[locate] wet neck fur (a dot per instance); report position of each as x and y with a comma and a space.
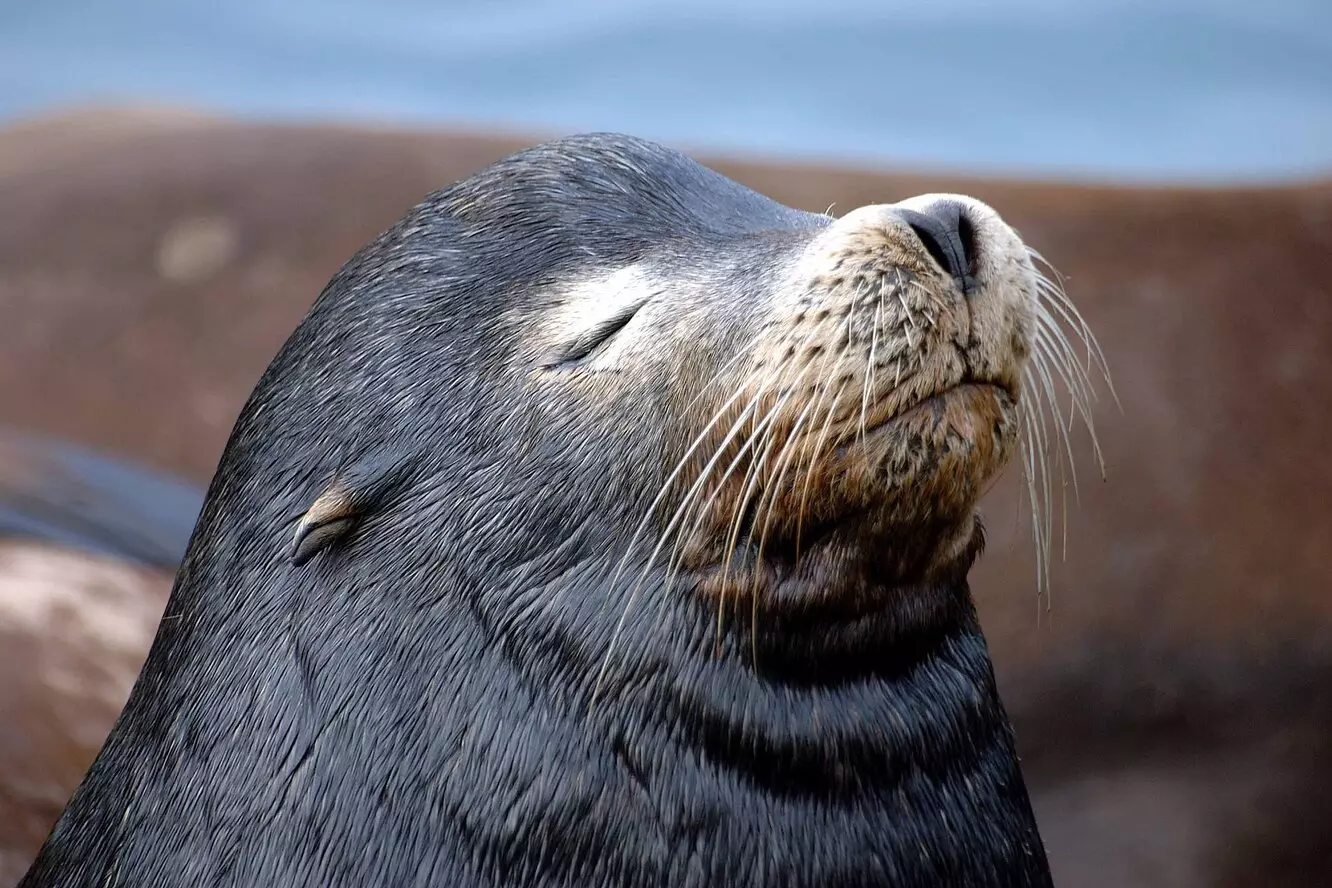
858, 752
808, 748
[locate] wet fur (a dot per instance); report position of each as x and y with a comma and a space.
414, 705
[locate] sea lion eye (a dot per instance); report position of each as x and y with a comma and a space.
592, 338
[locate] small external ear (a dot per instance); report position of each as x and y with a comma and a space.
328, 520
360, 489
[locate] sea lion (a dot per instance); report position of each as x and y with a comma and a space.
604, 523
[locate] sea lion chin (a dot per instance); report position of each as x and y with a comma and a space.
605, 523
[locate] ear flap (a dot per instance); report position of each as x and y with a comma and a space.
328, 520
359, 490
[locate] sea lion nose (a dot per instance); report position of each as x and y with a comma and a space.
948, 236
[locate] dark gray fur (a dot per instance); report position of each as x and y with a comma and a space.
411, 706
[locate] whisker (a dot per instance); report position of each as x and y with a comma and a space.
868, 377
765, 507
1048, 352
831, 411
1080, 385
749, 482
1056, 321
1037, 424
657, 500
677, 555
749, 485
909, 326
1041, 361
740, 355
633, 595
1057, 296
752, 479
1029, 472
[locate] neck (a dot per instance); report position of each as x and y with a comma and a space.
809, 749
814, 748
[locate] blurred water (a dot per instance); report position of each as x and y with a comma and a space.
1125, 88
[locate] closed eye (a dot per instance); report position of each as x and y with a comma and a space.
588, 341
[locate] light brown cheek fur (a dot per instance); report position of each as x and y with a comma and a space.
1002, 322
869, 347
929, 465
925, 469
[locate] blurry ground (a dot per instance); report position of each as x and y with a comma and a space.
1174, 711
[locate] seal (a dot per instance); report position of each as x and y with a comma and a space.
604, 523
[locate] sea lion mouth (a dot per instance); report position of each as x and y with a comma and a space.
889, 500
881, 500
1004, 391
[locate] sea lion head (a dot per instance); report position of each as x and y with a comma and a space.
622, 377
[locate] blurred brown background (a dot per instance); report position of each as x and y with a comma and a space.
1173, 708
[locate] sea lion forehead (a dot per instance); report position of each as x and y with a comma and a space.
621, 189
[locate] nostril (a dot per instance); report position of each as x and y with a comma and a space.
967, 235
948, 236
932, 246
